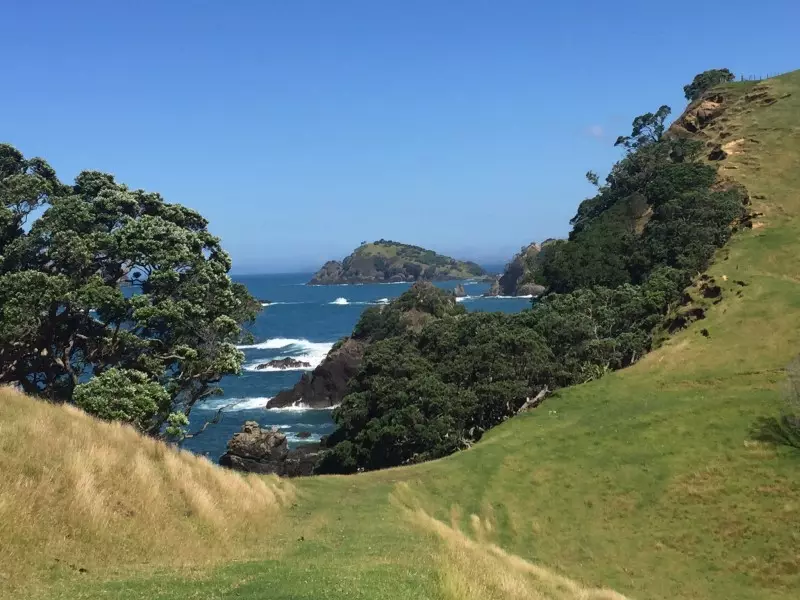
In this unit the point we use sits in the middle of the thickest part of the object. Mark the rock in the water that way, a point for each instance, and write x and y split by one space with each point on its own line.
326 385
284 363
494 290
459 291
258 450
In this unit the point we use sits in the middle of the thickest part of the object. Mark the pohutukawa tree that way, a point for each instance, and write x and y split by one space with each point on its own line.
113 299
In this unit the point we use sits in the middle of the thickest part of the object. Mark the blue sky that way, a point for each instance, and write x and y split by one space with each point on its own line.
300 128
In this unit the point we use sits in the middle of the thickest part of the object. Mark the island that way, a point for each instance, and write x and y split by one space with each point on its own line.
386 261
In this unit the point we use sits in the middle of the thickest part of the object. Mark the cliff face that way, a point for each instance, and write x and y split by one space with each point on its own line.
325 386
390 262
517 279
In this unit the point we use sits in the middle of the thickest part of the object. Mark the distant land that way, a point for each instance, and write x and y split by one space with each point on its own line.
386 261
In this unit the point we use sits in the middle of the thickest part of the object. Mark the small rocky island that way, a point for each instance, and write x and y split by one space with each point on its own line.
385 261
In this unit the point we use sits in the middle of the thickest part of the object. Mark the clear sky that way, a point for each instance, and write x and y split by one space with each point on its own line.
300 128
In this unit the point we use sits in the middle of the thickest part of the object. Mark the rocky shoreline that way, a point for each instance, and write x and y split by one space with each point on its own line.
266 451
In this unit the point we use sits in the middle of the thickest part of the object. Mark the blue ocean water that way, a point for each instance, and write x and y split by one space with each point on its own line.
303 322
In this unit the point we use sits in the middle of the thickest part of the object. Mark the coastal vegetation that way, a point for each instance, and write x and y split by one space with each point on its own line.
112 299
613 287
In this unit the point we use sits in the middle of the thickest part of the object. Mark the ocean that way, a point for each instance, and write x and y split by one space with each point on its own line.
302 322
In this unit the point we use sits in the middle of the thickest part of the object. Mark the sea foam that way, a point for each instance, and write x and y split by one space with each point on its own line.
299 349
232 404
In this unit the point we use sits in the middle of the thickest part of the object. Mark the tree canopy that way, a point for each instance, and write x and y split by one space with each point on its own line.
112 286
425 392
705 81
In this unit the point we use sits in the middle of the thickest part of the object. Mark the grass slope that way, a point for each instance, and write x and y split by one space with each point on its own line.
645 482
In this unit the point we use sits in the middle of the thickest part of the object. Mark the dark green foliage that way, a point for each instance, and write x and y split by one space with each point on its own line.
123 395
429 389
112 283
657 208
421 396
412 308
705 81
647 129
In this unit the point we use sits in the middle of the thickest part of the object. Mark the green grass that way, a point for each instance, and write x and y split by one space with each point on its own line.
646 482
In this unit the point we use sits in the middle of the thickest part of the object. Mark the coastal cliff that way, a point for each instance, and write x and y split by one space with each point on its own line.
517 278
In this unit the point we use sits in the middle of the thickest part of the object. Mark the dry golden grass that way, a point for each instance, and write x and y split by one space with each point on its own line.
473 568
78 493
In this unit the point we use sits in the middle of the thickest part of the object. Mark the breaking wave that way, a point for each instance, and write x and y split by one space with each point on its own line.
232 404
299 349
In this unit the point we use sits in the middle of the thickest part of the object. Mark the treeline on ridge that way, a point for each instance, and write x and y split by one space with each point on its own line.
424 392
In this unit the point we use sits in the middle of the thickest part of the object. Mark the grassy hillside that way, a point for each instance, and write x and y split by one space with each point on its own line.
646 482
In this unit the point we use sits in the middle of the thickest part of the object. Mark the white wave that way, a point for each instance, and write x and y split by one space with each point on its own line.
300 408
279 303
232 404
465 298
511 297
346 302
293 437
312 353
275 344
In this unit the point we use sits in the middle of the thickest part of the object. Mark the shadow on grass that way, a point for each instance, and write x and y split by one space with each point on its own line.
782 431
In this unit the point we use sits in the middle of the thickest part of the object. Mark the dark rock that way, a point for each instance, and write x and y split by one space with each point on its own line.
530 289
330 272
265 451
717 153
304 435
325 386
459 291
259 444
517 278
285 363
301 460
495 289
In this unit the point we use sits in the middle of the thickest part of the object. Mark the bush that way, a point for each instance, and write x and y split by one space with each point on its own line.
705 81
122 395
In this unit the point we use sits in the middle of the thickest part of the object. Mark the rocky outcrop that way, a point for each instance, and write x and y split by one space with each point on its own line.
698 116
325 386
266 451
392 262
284 363
530 289
332 271
459 291
517 278
494 290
